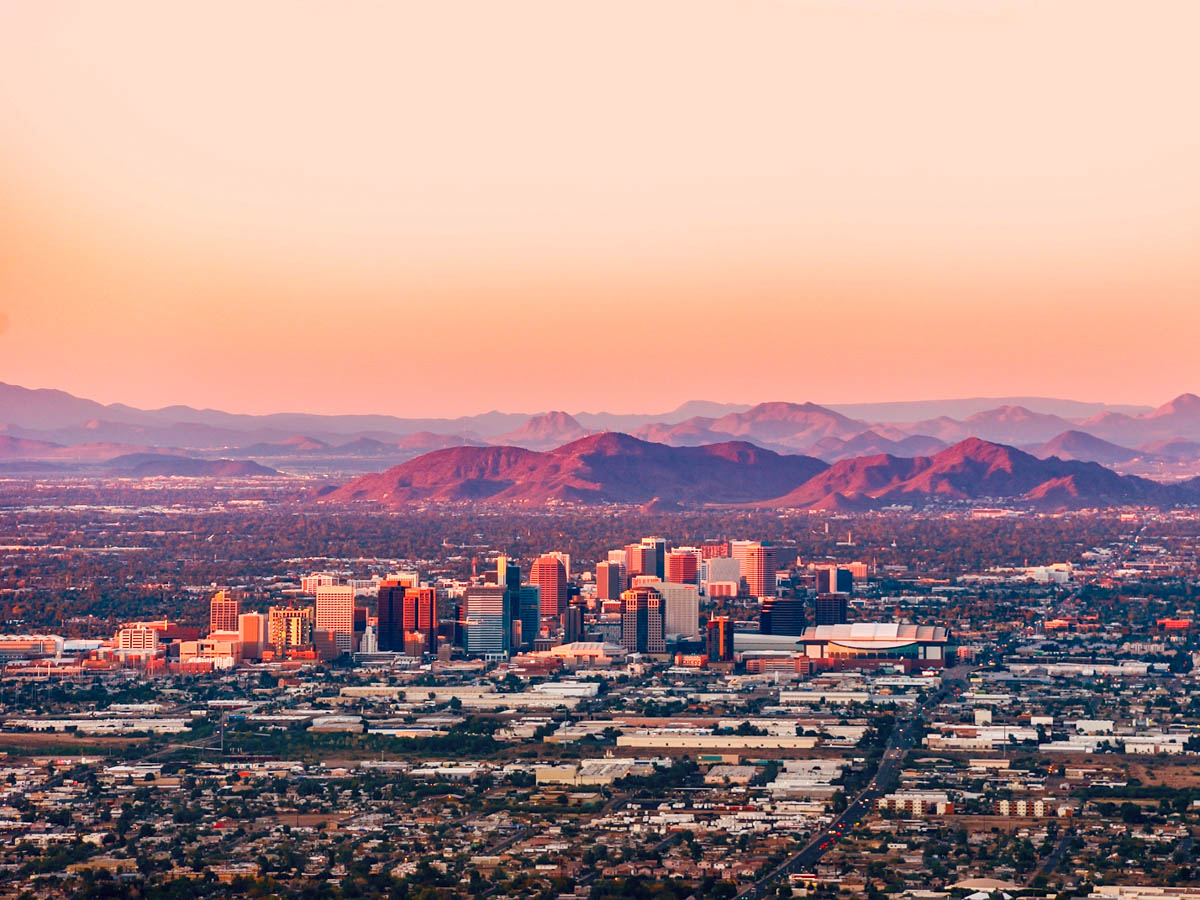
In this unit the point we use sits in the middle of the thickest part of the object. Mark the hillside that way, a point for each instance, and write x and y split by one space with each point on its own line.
975 469
601 468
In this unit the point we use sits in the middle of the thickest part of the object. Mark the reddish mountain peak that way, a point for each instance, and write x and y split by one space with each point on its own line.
1183 405
604 443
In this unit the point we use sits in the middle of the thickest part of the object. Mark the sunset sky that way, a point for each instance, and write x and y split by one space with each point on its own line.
441 208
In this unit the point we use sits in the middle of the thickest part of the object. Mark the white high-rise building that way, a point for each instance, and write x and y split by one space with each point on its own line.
335 613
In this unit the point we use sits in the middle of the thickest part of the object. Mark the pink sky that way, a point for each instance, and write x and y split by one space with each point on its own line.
441 208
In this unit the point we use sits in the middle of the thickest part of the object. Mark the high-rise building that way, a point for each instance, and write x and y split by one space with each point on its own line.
390 612
714 549
642 624
508 573
420 620
508 576
486 624
252 631
564 558
681 607
834 580
223 612
573 624
720 639
549 574
529 613
829 609
610 580
758 564
659 548
683 566
781 615
639 560
290 628
335 614
407 618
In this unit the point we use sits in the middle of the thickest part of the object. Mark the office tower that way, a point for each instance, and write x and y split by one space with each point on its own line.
404 579
619 556
529 613
573 624
335 614
639 560
610 580
714 549
642 625
829 609
486 624
390 632
658 546
549 574
458 633
252 631
758 563
290 628
419 620
369 643
508 576
683 566
310 583
781 615
681 607
508 573
564 558
403 614
834 580
720 639
222 612
721 569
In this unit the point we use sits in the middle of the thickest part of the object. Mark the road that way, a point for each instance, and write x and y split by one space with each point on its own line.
882 782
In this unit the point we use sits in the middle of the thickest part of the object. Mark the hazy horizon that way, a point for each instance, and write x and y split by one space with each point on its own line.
399 208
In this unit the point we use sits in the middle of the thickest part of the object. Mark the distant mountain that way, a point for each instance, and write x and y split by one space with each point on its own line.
975 469
543 431
25 448
28 449
151 465
1180 418
293 446
776 425
427 440
1172 448
872 443
916 410
57 418
630 422
1079 445
1014 425
601 468
43 408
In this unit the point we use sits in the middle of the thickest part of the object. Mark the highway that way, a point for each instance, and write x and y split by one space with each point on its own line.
882 782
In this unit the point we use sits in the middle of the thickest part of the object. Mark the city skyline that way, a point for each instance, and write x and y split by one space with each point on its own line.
859 201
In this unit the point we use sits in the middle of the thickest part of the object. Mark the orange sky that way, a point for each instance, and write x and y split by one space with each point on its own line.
442 208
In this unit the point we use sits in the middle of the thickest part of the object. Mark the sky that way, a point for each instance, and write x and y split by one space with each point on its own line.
443 208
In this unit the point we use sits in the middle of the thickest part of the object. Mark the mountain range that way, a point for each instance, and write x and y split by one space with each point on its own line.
618 468
1161 443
